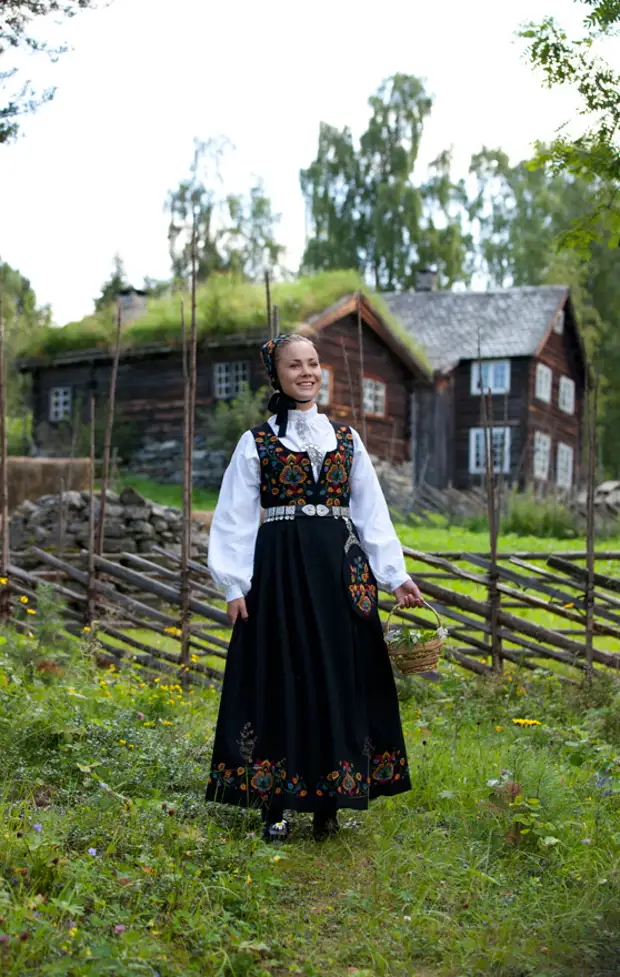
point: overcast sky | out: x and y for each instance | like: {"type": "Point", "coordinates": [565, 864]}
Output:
{"type": "Point", "coordinates": [91, 171]}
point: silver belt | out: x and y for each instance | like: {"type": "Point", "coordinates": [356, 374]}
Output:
{"type": "Point", "coordinates": [278, 512]}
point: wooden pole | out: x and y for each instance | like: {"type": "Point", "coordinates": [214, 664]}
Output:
{"type": "Point", "coordinates": [268, 299]}
{"type": "Point", "coordinates": [489, 467]}
{"type": "Point", "coordinates": [276, 321]}
{"type": "Point", "coordinates": [5, 606]}
{"type": "Point", "coordinates": [349, 379]}
{"type": "Point", "coordinates": [107, 445]}
{"type": "Point", "coordinates": [189, 403]}
{"type": "Point", "coordinates": [360, 341]}
{"type": "Point", "coordinates": [90, 605]}
{"type": "Point", "coordinates": [591, 411]}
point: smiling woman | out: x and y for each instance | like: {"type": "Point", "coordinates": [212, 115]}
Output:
{"type": "Point", "coordinates": [309, 716]}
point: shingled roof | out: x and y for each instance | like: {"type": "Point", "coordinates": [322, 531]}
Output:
{"type": "Point", "coordinates": [511, 321]}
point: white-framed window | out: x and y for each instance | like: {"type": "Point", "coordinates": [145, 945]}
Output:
{"type": "Point", "coordinates": [558, 324]}
{"type": "Point", "coordinates": [542, 455]}
{"type": "Point", "coordinates": [500, 450]}
{"type": "Point", "coordinates": [325, 392]}
{"type": "Point", "coordinates": [490, 375]}
{"type": "Point", "coordinates": [544, 380]}
{"type": "Point", "coordinates": [564, 468]}
{"type": "Point", "coordinates": [374, 397]}
{"type": "Point", "coordinates": [60, 404]}
{"type": "Point", "coordinates": [230, 379]}
{"type": "Point", "coordinates": [566, 395]}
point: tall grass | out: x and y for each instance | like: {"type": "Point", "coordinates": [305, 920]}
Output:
{"type": "Point", "coordinates": [225, 305]}
{"type": "Point", "coordinates": [503, 860]}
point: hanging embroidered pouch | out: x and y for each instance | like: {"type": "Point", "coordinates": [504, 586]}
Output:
{"type": "Point", "coordinates": [359, 581]}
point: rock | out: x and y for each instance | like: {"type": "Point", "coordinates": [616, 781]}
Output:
{"type": "Point", "coordinates": [27, 509]}
{"type": "Point", "coordinates": [129, 496]}
{"type": "Point", "coordinates": [158, 511]}
{"type": "Point", "coordinates": [123, 545]}
{"type": "Point", "coordinates": [159, 525]}
{"type": "Point", "coordinates": [73, 500]}
{"type": "Point", "coordinates": [41, 534]}
{"type": "Point", "coordinates": [18, 534]}
{"type": "Point", "coordinates": [145, 546]}
{"type": "Point", "coordinates": [137, 512]}
{"type": "Point", "coordinates": [141, 528]}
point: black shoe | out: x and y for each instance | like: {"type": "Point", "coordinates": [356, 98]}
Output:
{"type": "Point", "coordinates": [276, 831]}
{"type": "Point", "coordinates": [325, 826]}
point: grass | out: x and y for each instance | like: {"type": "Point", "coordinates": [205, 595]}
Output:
{"type": "Point", "coordinates": [225, 306]}
{"type": "Point", "coordinates": [169, 495]}
{"type": "Point", "coordinates": [502, 860]}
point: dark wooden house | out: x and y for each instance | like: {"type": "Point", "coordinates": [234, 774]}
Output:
{"type": "Point", "coordinates": [522, 344]}
{"type": "Point", "coordinates": [383, 378]}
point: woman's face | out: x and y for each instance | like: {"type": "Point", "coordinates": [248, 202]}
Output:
{"type": "Point", "coordinates": [299, 370]}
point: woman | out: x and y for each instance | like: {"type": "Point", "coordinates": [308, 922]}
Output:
{"type": "Point", "coordinates": [309, 716]}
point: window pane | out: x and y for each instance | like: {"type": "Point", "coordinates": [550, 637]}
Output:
{"type": "Point", "coordinates": [60, 403]}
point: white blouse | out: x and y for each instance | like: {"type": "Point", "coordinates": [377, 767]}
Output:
{"type": "Point", "coordinates": [237, 515]}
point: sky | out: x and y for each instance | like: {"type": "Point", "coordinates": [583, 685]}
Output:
{"type": "Point", "coordinates": [91, 171]}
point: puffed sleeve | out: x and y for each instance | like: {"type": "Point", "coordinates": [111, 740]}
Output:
{"type": "Point", "coordinates": [371, 518]}
{"type": "Point", "coordinates": [236, 519]}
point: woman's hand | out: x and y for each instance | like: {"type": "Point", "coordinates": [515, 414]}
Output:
{"type": "Point", "coordinates": [408, 594]}
{"type": "Point", "coordinates": [236, 609]}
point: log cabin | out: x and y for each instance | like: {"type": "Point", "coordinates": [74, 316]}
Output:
{"type": "Point", "coordinates": [524, 346]}
{"type": "Point", "coordinates": [373, 390]}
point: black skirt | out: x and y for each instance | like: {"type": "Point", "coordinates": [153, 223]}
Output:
{"type": "Point", "coordinates": [309, 716]}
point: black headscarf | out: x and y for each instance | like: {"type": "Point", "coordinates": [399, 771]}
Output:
{"type": "Point", "coordinates": [280, 403]}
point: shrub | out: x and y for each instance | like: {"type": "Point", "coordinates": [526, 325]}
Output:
{"type": "Point", "coordinates": [526, 515]}
{"type": "Point", "coordinates": [223, 427]}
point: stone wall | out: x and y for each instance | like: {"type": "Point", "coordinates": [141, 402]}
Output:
{"type": "Point", "coordinates": [163, 461]}
{"type": "Point", "coordinates": [133, 524]}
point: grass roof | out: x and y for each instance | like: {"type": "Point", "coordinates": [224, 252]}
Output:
{"type": "Point", "coordinates": [225, 306]}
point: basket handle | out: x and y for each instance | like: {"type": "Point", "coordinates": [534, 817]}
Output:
{"type": "Point", "coordinates": [398, 606]}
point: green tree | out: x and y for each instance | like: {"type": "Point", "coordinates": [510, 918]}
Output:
{"type": "Point", "coordinates": [112, 287]}
{"type": "Point", "coordinates": [233, 232]}
{"type": "Point", "coordinates": [364, 207]}
{"type": "Point", "coordinates": [17, 21]}
{"type": "Point", "coordinates": [594, 156]}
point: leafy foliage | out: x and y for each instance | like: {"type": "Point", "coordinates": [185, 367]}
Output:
{"type": "Point", "coordinates": [232, 232]}
{"type": "Point", "coordinates": [111, 288]}
{"type": "Point", "coordinates": [594, 156]}
{"type": "Point", "coordinates": [16, 19]}
{"type": "Point", "coordinates": [224, 426]}
{"type": "Point", "coordinates": [367, 213]}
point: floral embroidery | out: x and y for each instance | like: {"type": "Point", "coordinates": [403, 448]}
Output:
{"type": "Point", "coordinates": [262, 778]}
{"type": "Point", "coordinates": [343, 781]}
{"type": "Point", "coordinates": [362, 587]}
{"type": "Point", "coordinates": [286, 477]}
{"type": "Point", "coordinates": [265, 779]}
{"type": "Point", "coordinates": [388, 767]}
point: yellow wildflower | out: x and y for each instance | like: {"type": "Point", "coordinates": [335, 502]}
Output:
{"type": "Point", "coordinates": [123, 742]}
{"type": "Point", "coordinates": [248, 881]}
{"type": "Point", "coordinates": [526, 722]}
{"type": "Point", "coordinates": [23, 599]}
{"type": "Point", "coordinates": [86, 628]}
{"type": "Point", "coordinates": [3, 581]}
{"type": "Point", "coordinates": [29, 610]}
{"type": "Point", "coordinates": [498, 729]}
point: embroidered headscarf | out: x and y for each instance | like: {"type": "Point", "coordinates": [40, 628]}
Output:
{"type": "Point", "coordinates": [280, 403]}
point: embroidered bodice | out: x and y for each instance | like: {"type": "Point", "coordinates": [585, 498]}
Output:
{"type": "Point", "coordinates": [291, 478]}
{"type": "Point", "coordinates": [315, 457]}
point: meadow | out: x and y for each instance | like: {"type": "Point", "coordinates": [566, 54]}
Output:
{"type": "Point", "coordinates": [502, 860]}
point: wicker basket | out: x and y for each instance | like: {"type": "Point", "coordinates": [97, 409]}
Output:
{"type": "Point", "coordinates": [411, 660]}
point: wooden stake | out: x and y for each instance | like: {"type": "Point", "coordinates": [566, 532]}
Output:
{"type": "Point", "coordinates": [4, 482]}
{"type": "Point", "coordinates": [189, 405]}
{"type": "Point", "coordinates": [591, 412]}
{"type": "Point", "coordinates": [107, 445]}
{"type": "Point", "coordinates": [360, 340]}
{"type": "Point", "coordinates": [276, 321]}
{"type": "Point", "coordinates": [90, 606]}
{"type": "Point", "coordinates": [349, 379]}
{"type": "Point", "coordinates": [489, 467]}
{"type": "Point", "coordinates": [268, 299]}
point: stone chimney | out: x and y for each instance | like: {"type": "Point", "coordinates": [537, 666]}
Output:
{"type": "Point", "coordinates": [133, 304]}
{"type": "Point", "coordinates": [426, 280]}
